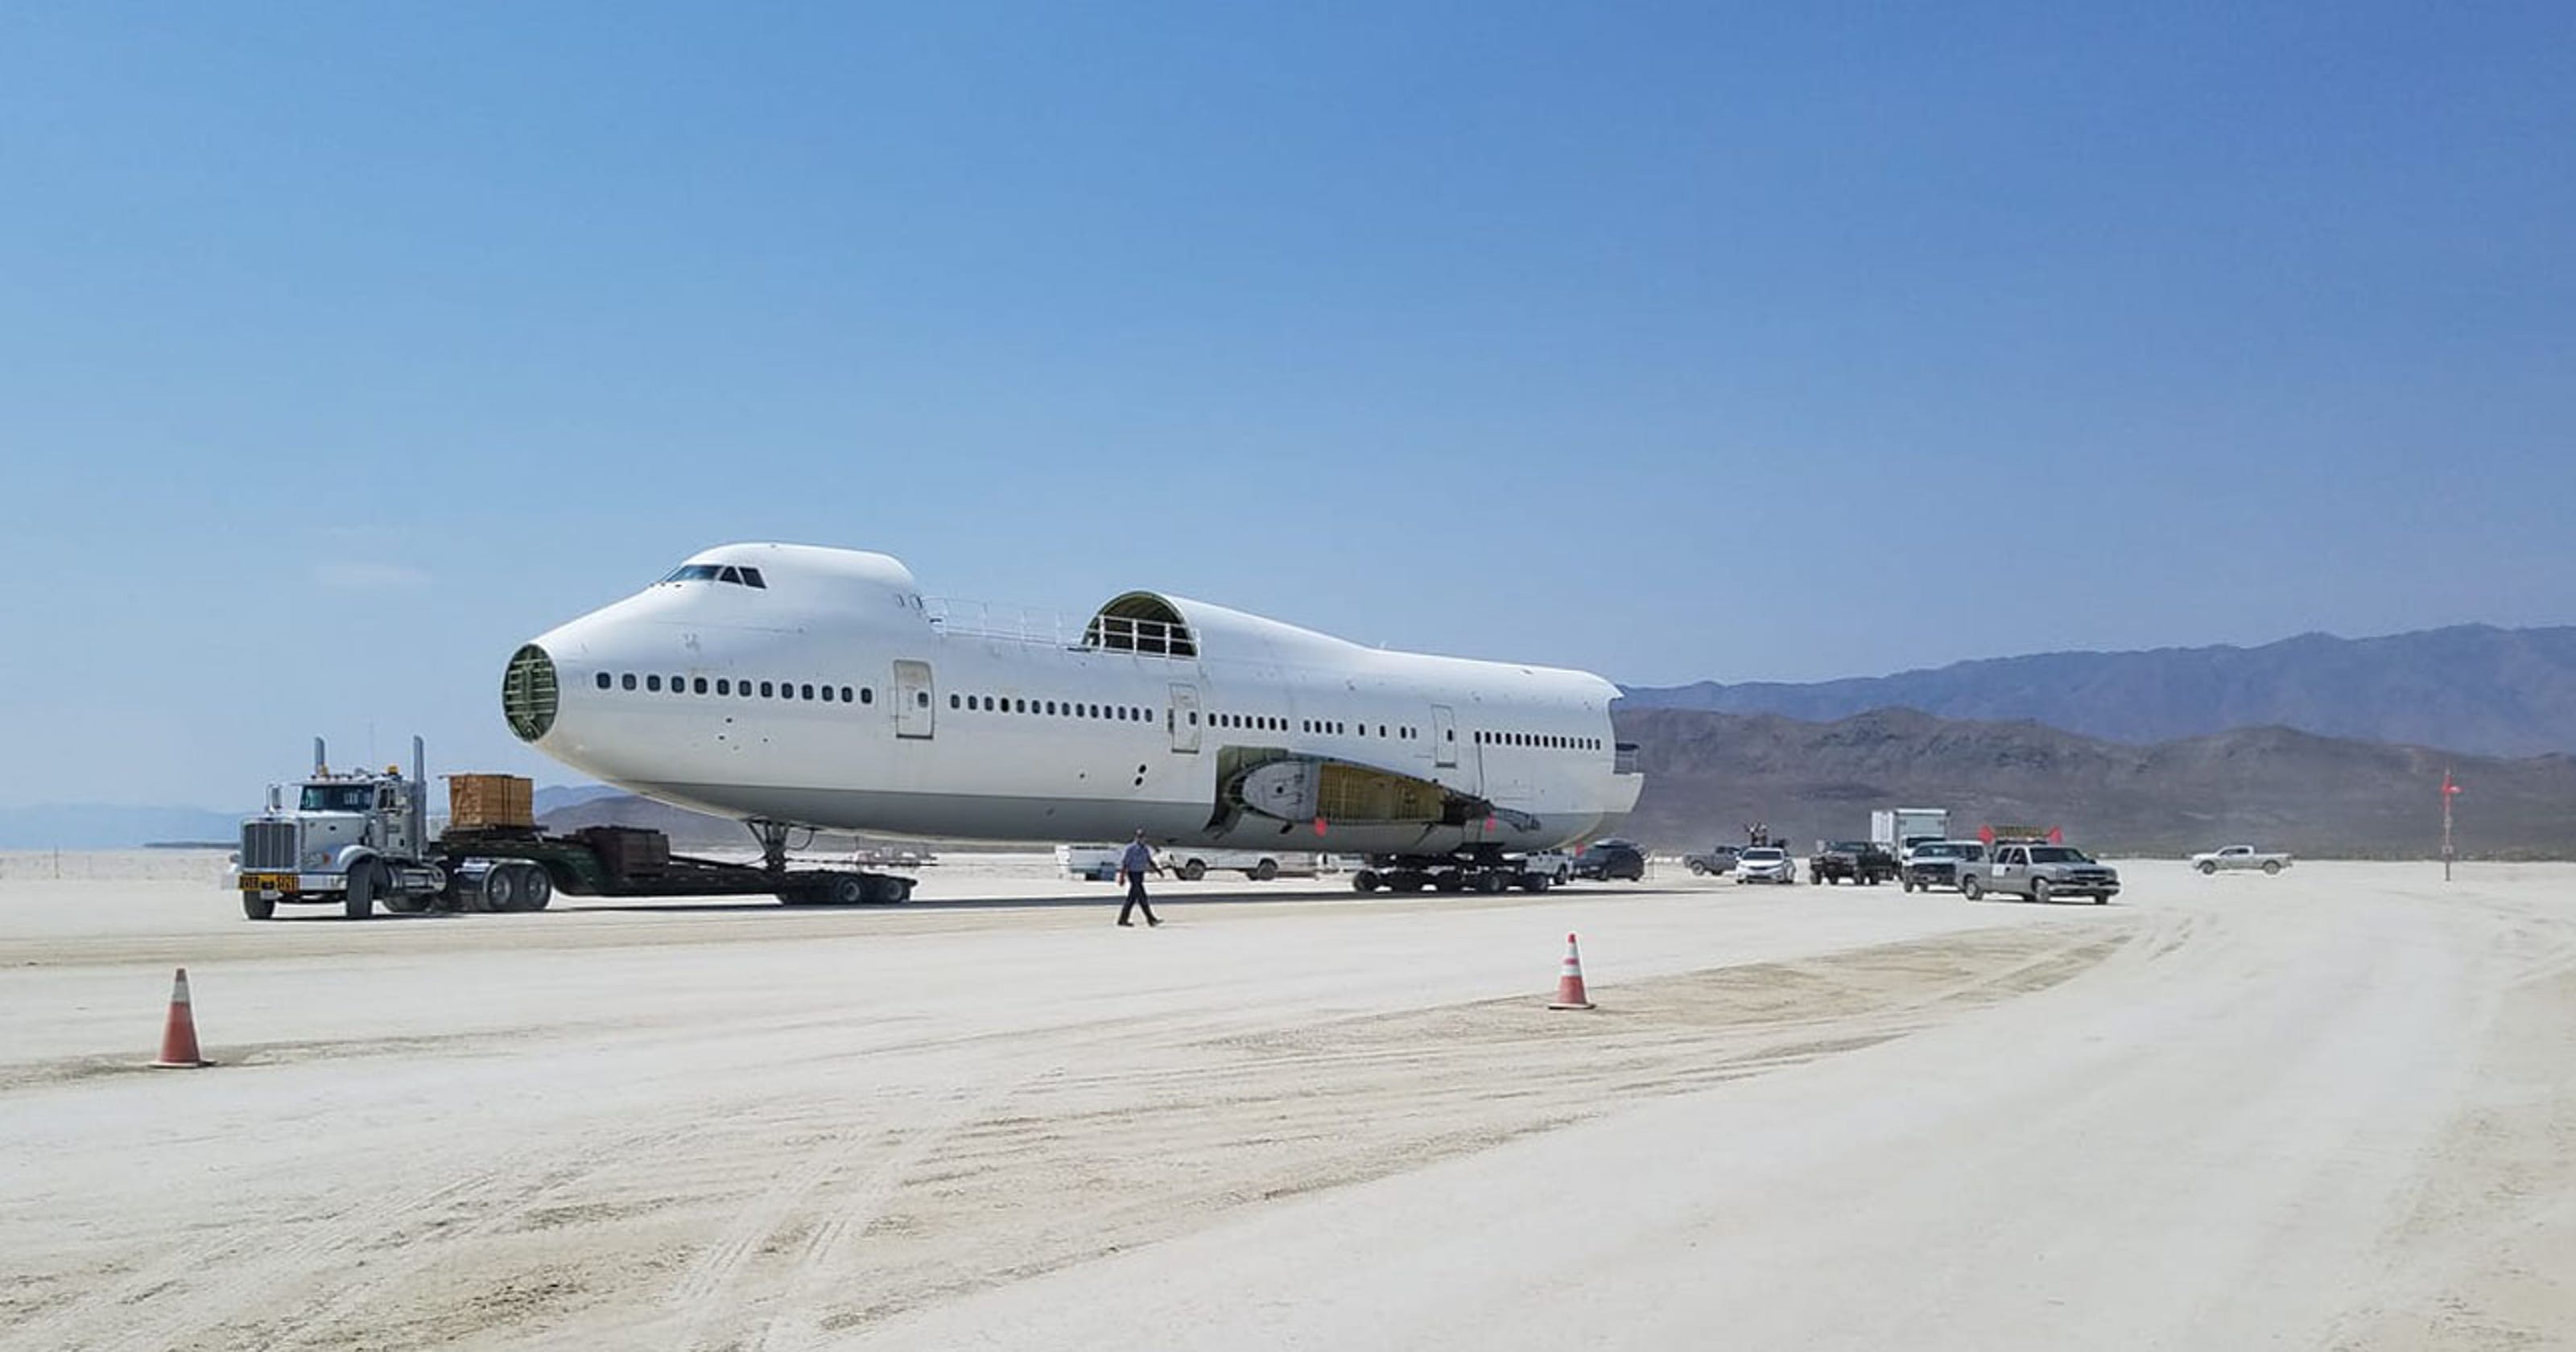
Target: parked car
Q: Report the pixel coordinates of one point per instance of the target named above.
(1258, 865)
(1609, 858)
(2038, 872)
(1935, 863)
(2241, 856)
(1857, 861)
(1719, 859)
(1765, 864)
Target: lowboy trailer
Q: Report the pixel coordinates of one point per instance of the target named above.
(360, 841)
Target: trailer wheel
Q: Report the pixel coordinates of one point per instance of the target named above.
(257, 907)
(535, 888)
(847, 889)
(500, 890)
(1268, 869)
(358, 901)
(1490, 882)
(1364, 881)
(1535, 882)
(898, 891)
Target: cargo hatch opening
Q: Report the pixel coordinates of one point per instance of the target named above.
(1141, 622)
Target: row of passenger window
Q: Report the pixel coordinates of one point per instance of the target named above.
(1331, 727)
(653, 683)
(1549, 740)
(1049, 708)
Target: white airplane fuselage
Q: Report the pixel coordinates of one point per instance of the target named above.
(828, 695)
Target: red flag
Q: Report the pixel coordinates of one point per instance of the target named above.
(2448, 788)
(2056, 836)
(1986, 834)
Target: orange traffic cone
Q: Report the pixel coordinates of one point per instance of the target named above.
(1569, 981)
(179, 1033)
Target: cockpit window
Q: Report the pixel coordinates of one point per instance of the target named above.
(712, 572)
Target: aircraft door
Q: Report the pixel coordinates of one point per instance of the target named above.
(1184, 716)
(1444, 735)
(915, 699)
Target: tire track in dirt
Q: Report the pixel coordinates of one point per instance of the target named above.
(788, 1331)
(1112, 1158)
(195, 1290)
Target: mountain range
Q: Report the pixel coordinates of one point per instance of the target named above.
(1707, 775)
(2471, 688)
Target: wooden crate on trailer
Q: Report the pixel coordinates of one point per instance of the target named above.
(482, 801)
(628, 851)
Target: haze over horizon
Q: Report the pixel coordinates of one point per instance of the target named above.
(345, 350)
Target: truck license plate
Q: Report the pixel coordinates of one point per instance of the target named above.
(268, 882)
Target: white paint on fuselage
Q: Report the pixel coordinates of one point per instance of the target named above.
(1535, 740)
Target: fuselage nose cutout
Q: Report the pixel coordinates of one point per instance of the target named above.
(528, 692)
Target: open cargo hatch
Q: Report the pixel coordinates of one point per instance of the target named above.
(1141, 622)
(1303, 788)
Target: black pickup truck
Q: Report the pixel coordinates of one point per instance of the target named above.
(1852, 861)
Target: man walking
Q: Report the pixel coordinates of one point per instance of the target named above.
(1138, 858)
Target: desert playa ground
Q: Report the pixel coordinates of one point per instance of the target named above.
(2334, 1109)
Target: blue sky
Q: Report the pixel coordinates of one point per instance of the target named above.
(342, 347)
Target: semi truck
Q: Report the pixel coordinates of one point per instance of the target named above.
(360, 841)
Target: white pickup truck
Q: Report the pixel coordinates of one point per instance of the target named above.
(1099, 863)
(2241, 856)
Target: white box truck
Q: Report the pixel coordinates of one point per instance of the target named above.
(1898, 829)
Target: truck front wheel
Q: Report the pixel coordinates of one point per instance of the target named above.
(257, 907)
(358, 902)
